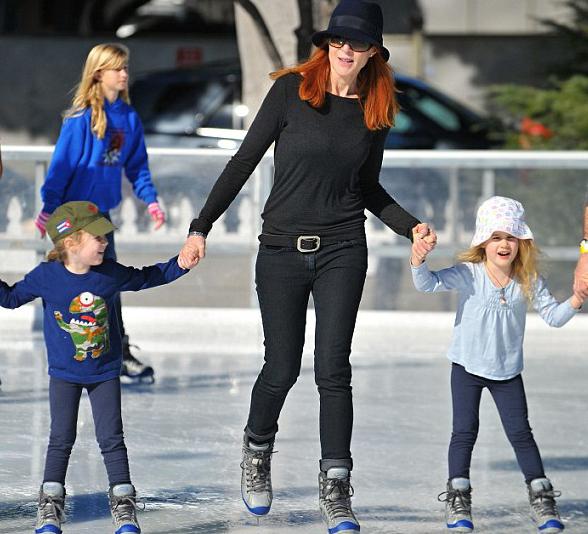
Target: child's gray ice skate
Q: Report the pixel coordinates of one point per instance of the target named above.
(543, 506)
(123, 507)
(50, 511)
(256, 477)
(335, 494)
(458, 505)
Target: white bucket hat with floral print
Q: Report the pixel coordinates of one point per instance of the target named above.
(500, 214)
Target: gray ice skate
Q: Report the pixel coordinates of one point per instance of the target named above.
(256, 477)
(543, 506)
(458, 505)
(335, 494)
(123, 507)
(50, 511)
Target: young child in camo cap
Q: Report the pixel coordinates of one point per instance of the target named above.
(496, 280)
(84, 350)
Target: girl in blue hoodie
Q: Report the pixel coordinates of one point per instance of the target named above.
(101, 136)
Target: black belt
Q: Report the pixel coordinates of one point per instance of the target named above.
(304, 243)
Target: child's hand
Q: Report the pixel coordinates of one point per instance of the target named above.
(192, 252)
(157, 214)
(579, 295)
(424, 240)
(581, 277)
(41, 222)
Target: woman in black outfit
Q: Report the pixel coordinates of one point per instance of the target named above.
(329, 118)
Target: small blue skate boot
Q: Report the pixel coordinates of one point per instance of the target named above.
(335, 494)
(123, 507)
(256, 476)
(50, 511)
(544, 511)
(458, 505)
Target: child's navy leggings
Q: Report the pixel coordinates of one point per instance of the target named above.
(509, 397)
(64, 401)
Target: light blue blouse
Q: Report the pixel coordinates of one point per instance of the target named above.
(488, 335)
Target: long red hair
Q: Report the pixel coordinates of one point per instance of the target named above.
(375, 83)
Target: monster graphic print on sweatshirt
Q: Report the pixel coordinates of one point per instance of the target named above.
(88, 327)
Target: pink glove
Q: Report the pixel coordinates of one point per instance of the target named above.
(157, 214)
(41, 222)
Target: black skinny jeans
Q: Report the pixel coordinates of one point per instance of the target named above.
(285, 278)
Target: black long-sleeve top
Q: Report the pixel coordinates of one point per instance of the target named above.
(327, 166)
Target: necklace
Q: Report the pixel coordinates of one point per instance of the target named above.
(502, 297)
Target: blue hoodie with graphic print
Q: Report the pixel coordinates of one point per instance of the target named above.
(84, 167)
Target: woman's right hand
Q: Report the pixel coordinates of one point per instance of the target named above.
(192, 252)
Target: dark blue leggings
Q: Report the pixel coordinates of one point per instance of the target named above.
(64, 401)
(509, 397)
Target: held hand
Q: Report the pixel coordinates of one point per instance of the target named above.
(41, 222)
(581, 277)
(157, 214)
(422, 229)
(424, 240)
(192, 252)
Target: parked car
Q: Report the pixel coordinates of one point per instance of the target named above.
(201, 106)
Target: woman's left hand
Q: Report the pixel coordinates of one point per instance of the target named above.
(424, 240)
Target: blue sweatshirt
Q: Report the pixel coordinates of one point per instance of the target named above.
(80, 323)
(84, 167)
(488, 334)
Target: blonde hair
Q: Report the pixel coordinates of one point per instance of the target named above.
(60, 249)
(524, 267)
(89, 91)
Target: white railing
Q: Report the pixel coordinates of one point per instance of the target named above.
(444, 187)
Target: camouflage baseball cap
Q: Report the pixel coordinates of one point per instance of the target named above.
(78, 215)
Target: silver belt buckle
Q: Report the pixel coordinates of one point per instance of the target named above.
(316, 238)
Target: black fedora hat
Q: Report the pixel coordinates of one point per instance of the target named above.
(355, 19)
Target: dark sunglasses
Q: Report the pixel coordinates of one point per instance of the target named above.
(356, 46)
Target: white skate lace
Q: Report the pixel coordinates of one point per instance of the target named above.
(460, 502)
(257, 466)
(337, 498)
(125, 509)
(51, 509)
(544, 503)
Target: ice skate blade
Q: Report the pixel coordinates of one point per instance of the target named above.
(463, 526)
(553, 526)
(347, 527)
(48, 529)
(138, 379)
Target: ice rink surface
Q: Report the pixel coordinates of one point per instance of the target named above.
(184, 432)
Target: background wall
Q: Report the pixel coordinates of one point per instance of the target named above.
(38, 74)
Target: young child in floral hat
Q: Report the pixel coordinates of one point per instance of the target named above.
(84, 350)
(496, 280)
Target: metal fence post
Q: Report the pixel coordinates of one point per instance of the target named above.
(40, 173)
